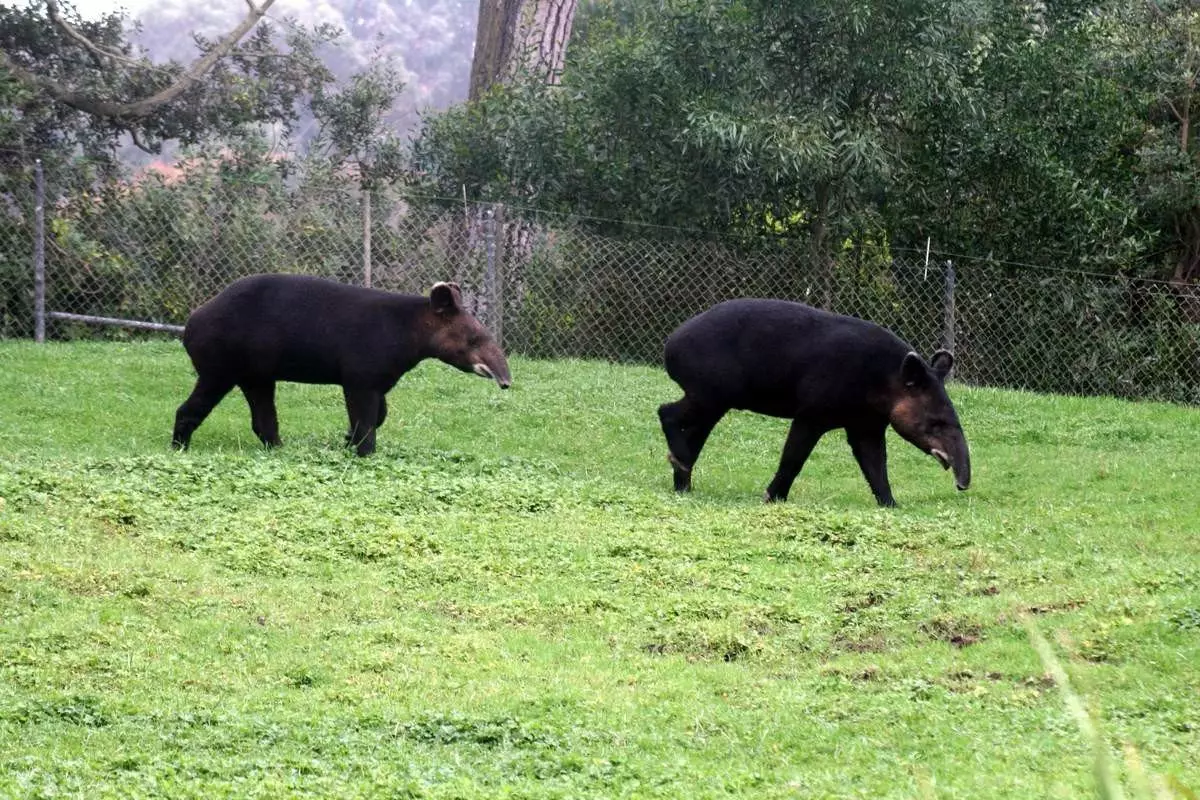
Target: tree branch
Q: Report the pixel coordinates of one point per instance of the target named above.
(139, 108)
(87, 44)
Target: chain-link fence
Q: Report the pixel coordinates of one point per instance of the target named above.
(149, 250)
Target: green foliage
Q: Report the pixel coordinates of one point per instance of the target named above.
(1124, 338)
(509, 600)
(1052, 134)
(260, 83)
(1034, 160)
(353, 128)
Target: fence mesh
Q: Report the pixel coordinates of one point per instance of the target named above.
(154, 248)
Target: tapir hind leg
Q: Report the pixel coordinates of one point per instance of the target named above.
(686, 424)
(363, 408)
(200, 403)
(801, 440)
(263, 419)
(870, 450)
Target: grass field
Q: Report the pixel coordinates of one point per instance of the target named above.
(508, 601)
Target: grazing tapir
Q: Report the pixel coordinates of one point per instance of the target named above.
(268, 328)
(821, 370)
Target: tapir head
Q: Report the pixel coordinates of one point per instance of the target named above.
(923, 414)
(459, 340)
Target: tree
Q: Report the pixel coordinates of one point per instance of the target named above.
(84, 80)
(141, 107)
(353, 135)
(1030, 155)
(751, 116)
(1163, 52)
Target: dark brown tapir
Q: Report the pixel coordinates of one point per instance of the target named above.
(268, 328)
(821, 370)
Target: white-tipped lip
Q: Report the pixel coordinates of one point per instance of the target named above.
(484, 371)
(941, 456)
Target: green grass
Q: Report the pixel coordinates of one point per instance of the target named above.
(508, 601)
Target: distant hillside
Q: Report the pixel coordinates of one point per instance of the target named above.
(430, 40)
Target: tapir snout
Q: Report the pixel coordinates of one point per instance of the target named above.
(923, 414)
(461, 341)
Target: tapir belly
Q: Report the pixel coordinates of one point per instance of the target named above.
(814, 395)
(298, 359)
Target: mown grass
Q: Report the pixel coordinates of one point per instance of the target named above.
(508, 600)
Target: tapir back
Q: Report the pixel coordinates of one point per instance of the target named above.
(304, 329)
(782, 358)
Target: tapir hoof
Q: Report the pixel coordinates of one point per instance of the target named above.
(681, 474)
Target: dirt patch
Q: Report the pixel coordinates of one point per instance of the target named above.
(870, 643)
(953, 630)
(1050, 608)
(856, 604)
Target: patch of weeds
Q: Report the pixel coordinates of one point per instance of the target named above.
(24, 488)
(635, 552)
(1050, 608)
(138, 589)
(861, 602)
(841, 533)
(856, 641)
(957, 631)
(84, 711)
(706, 643)
(863, 673)
(1098, 650)
(922, 689)
(90, 583)
(118, 510)
(500, 731)
(965, 681)
(305, 677)
(1187, 619)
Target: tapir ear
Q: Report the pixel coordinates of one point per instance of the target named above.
(913, 371)
(445, 298)
(942, 362)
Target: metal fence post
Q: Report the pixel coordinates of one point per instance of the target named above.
(366, 236)
(39, 253)
(948, 309)
(491, 283)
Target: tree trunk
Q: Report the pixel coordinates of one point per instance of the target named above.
(513, 36)
(520, 34)
(818, 253)
(1186, 279)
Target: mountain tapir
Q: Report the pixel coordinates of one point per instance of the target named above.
(267, 328)
(821, 370)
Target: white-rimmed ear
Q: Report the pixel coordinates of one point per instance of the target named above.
(913, 370)
(942, 362)
(445, 298)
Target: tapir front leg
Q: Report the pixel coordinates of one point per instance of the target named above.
(870, 450)
(362, 406)
(383, 410)
(801, 440)
(686, 426)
